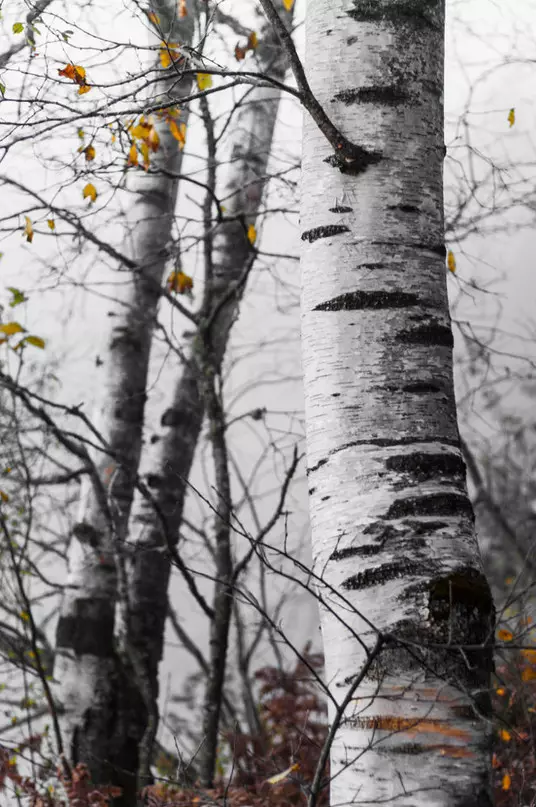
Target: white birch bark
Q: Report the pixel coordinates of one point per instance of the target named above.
(86, 665)
(173, 445)
(392, 526)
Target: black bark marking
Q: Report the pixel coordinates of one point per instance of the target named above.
(361, 300)
(372, 95)
(318, 465)
(425, 527)
(89, 630)
(425, 465)
(417, 13)
(154, 481)
(325, 498)
(438, 249)
(436, 504)
(311, 491)
(351, 40)
(394, 570)
(361, 159)
(327, 231)
(355, 552)
(433, 333)
(404, 208)
(421, 388)
(341, 209)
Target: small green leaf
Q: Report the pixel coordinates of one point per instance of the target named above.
(18, 27)
(18, 297)
(2, 89)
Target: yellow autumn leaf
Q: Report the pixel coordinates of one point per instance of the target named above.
(288, 4)
(10, 328)
(90, 153)
(451, 261)
(153, 139)
(133, 155)
(178, 132)
(506, 781)
(279, 777)
(204, 81)
(153, 17)
(36, 341)
(89, 192)
(505, 635)
(25, 616)
(51, 224)
(4, 497)
(83, 89)
(505, 735)
(252, 234)
(144, 148)
(169, 53)
(180, 282)
(253, 41)
(28, 229)
(512, 117)
(528, 674)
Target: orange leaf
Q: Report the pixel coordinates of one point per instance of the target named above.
(133, 155)
(528, 674)
(89, 192)
(239, 52)
(506, 781)
(178, 132)
(183, 11)
(90, 152)
(505, 735)
(253, 41)
(179, 282)
(83, 89)
(153, 17)
(505, 635)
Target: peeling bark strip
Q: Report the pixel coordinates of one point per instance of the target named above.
(326, 231)
(391, 523)
(340, 209)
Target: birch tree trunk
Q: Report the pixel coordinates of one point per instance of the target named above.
(392, 526)
(87, 666)
(155, 526)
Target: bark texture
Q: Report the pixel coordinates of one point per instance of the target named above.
(155, 525)
(392, 525)
(92, 677)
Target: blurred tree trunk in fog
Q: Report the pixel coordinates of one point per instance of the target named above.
(90, 675)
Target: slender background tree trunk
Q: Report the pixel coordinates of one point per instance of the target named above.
(91, 675)
(392, 525)
(155, 524)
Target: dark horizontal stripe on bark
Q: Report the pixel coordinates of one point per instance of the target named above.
(341, 209)
(356, 552)
(438, 249)
(372, 95)
(89, 630)
(425, 465)
(417, 13)
(446, 504)
(398, 569)
(327, 231)
(385, 442)
(421, 388)
(373, 265)
(432, 333)
(362, 300)
(404, 208)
